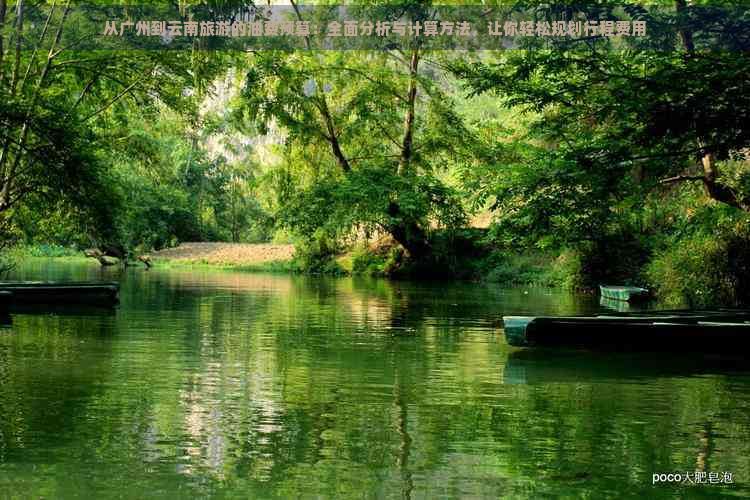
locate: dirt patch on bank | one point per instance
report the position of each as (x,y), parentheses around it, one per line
(227,253)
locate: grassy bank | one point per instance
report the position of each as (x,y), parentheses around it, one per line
(461,255)
(388,261)
(16,254)
(43,251)
(276,266)
(536,269)
(697,268)
(701,261)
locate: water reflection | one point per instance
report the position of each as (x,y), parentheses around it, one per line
(543,366)
(218,383)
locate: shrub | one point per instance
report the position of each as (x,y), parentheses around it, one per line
(616,258)
(704,268)
(369,262)
(567,270)
(518,269)
(317,255)
(52,250)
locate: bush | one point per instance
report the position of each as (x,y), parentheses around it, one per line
(52,250)
(616,258)
(455,254)
(517,269)
(317,255)
(704,268)
(368,262)
(383,258)
(567,270)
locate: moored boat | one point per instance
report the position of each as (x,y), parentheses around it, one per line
(624,293)
(696,331)
(71,292)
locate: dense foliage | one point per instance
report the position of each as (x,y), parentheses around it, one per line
(616,161)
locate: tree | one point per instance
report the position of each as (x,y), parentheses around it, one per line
(386,127)
(59,104)
(613,121)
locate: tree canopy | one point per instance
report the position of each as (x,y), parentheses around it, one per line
(558,142)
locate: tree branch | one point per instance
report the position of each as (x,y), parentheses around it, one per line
(682,178)
(325,112)
(19,31)
(365,76)
(71,45)
(113,100)
(406,147)
(8,175)
(36,48)
(3,10)
(83,94)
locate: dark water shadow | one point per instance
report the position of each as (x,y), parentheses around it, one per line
(545,366)
(80,310)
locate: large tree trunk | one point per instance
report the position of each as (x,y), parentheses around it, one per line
(5,151)
(716,190)
(407,146)
(408,233)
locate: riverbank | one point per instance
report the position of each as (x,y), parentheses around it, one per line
(237,256)
(537,269)
(214,255)
(665,274)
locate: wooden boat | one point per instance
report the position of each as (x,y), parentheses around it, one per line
(51,292)
(624,293)
(720,331)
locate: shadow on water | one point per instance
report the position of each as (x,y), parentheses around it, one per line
(79,310)
(545,366)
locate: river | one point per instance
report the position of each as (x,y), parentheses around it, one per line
(223,384)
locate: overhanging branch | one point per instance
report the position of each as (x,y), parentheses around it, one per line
(682,178)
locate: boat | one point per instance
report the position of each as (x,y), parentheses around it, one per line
(64,292)
(717,331)
(624,293)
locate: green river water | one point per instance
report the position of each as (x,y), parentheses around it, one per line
(210,383)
